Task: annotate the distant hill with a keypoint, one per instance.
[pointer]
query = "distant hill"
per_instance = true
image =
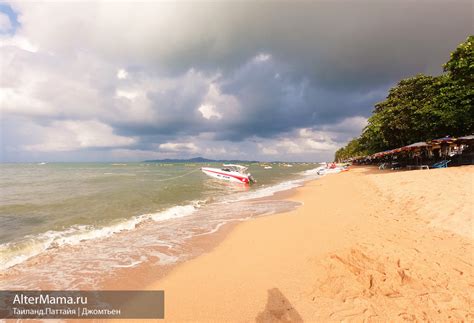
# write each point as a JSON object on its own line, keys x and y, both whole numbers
{"x": 199, "y": 160}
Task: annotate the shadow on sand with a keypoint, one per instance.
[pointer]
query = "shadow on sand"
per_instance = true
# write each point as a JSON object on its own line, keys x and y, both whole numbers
{"x": 278, "y": 309}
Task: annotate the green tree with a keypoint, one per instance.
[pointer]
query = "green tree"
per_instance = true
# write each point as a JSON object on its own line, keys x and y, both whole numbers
{"x": 454, "y": 103}
{"x": 461, "y": 63}
{"x": 404, "y": 116}
{"x": 352, "y": 149}
{"x": 421, "y": 108}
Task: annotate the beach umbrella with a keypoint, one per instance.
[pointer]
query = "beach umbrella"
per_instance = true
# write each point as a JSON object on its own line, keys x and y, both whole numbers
{"x": 444, "y": 140}
{"x": 416, "y": 145}
{"x": 466, "y": 139}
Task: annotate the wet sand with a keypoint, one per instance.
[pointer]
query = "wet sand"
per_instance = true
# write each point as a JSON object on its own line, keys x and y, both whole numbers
{"x": 366, "y": 245}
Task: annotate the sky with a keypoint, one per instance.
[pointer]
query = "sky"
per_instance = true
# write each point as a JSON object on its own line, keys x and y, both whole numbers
{"x": 292, "y": 81}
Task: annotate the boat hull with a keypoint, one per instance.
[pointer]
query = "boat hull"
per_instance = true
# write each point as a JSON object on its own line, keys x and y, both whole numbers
{"x": 226, "y": 176}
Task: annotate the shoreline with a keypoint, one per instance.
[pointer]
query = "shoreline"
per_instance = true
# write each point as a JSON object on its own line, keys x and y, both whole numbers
{"x": 148, "y": 270}
{"x": 363, "y": 255}
{"x": 201, "y": 245}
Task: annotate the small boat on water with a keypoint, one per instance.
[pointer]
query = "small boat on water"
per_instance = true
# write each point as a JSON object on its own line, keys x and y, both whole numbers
{"x": 230, "y": 172}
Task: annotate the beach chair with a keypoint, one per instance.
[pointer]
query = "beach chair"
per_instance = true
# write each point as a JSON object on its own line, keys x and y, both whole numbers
{"x": 441, "y": 164}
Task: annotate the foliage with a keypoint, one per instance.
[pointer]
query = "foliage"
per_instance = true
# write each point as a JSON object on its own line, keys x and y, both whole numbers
{"x": 422, "y": 107}
{"x": 461, "y": 64}
{"x": 352, "y": 149}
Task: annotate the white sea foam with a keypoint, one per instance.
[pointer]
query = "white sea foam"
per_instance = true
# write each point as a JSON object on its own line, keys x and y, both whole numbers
{"x": 269, "y": 190}
{"x": 8, "y": 260}
{"x": 132, "y": 264}
{"x": 13, "y": 253}
{"x": 312, "y": 172}
{"x": 272, "y": 189}
{"x": 166, "y": 259}
{"x": 175, "y": 212}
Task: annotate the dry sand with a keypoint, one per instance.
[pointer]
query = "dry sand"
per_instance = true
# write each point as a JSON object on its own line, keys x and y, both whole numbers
{"x": 366, "y": 245}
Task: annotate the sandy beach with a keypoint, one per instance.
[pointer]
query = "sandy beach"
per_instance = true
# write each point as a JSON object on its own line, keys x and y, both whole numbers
{"x": 366, "y": 245}
{"x": 237, "y": 161}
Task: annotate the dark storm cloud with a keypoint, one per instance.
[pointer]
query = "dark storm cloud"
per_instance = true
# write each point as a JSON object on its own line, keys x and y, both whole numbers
{"x": 234, "y": 71}
{"x": 344, "y": 45}
{"x": 273, "y": 100}
{"x": 334, "y": 60}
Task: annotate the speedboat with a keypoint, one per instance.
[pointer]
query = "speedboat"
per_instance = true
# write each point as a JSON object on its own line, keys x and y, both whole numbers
{"x": 230, "y": 172}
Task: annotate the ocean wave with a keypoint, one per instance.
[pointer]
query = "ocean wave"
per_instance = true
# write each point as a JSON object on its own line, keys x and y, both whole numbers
{"x": 312, "y": 172}
{"x": 175, "y": 212}
{"x": 270, "y": 190}
{"x": 13, "y": 253}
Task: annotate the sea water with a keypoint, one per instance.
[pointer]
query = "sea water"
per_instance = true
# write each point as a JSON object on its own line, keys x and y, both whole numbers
{"x": 80, "y": 220}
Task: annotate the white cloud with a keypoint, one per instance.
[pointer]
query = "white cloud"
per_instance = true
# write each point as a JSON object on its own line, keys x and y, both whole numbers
{"x": 314, "y": 134}
{"x": 303, "y": 146}
{"x": 209, "y": 111}
{"x": 44, "y": 84}
{"x": 129, "y": 94}
{"x": 301, "y": 142}
{"x": 133, "y": 154}
{"x": 351, "y": 124}
{"x": 219, "y": 105}
{"x": 170, "y": 34}
{"x": 5, "y": 23}
{"x": 167, "y": 74}
{"x": 18, "y": 101}
{"x": 84, "y": 87}
{"x": 216, "y": 151}
{"x": 73, "y": 135}
{"x": 268, "y": 150}
{"x": 122, "y": 74}
{"x": 262, "y": 57}
{"x": 178, "y": 147}
{"x": 18, "y": 42}
{"x": 319, "y": 145}
{"x": 289, "y": 146}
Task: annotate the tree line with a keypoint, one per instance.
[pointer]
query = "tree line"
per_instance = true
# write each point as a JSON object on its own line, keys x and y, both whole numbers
{"x": 421, "y": 108}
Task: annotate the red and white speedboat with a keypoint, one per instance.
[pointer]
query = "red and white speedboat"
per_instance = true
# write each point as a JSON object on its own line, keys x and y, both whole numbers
{"x": 230, "y": 172}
